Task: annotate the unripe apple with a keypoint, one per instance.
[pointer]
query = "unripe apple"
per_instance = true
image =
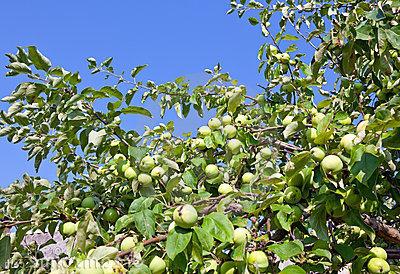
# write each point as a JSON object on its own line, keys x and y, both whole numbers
{"x": 241, "y": 236}
{"x": 378, "y": 265}
{"x": 128, "y": 243}
{"x": 187, "y": 190}
{"x": 234, "y": 146}
{"x": 147, "y": 164}
{"x": 362, "y": 126}
{"x": 297, "y": 180}
{"x": 211, "y": 171}
{"x": 226, "y": 120}
{"x": 292, "y": 195}
{"x": 113, "y": 267}
{"x": 125, "y": 166}
{"x": 166, "y": 136}
{"x": 242, "y": 119}
{"x": 110, "y": 215}
{"x": 130, "y": 173}
{"x": 332, "y": 164}
{"x": 265, "y": 153}
{"x": 214, "y": 123}
{"x": 228, "y": 268}
{"x": 89, "y": 266}
{"x": 230, "y": 131}
{"x": 225, "y": 189}
{"x": 346, "y": 121}
{"x": 287, "y": 120}
{"x": 88, "y": 202}
{"x": 257, "y": 261}
{"x": 145, "y": 179}
{"x": 378, "y": 252}
{"x": 317, "y": 118}
{"x": 352, "y": 199}
{"x": 115, "y": 143}
{"x": 69, "y": 228}
{"x": 247, "y": 177}
{"x": 157, "y": 172}
{"x": 204, "y": 131}
{"x": 347, "y": 142}
{"x": 185, "y": 216}
{"x": 199, "y": 143}
{"x": 157, "y": 265}
{"x": 119, "y": 157}
{"x": 317, "y": 154}
{"x": 311, "y": 134}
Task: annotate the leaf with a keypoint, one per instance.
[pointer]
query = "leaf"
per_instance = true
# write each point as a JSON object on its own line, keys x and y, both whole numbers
{"x": 81, "y": 232}
{"x": 298, "y": 163}
{"x": 136, "y": 110}
{"x": 177, "y": 241}
{"x": 363, "y": 31}
{"x": 318, "y": 222}
{"x": 354, "y": 218}
{"x": 138, "y": 152}
{"x": 190, "y": 179}
{"x": 145, "y": 222}
{"x": 111, "y": 91}
{"x": 206, "y": 240}
{"x": 393, "y": 36}
{"x": 103, "y": 252}
{"x": 170, "y": 163}
{"x": 234, "y": 101}
{"x": 287, "y": 250}
{"x": 289, "y": 37}
{"x": 219, "y": 226}
{"x": 40, "y": 61}
{"x": 124, "y": 222}
{"x": 290, "y": 129}
{"x": 345, "y": 251}
{"x": 363, "y": 168}
{"x": 140, "y": 204}
{"x": 96, "y": 137}
{"x": 19, "y": 67}
{"x": 293, "y": 269}
{"x": 253, "y": 21}
{"x": 5, "y": 250}
{"x": 322, "y": 253}
{"x": 137, "y": 69}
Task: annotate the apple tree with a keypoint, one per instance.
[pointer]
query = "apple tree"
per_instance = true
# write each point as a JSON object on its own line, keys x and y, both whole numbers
{"x": 299, "y": 178}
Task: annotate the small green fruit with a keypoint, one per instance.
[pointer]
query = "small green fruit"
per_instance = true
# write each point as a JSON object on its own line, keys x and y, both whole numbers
{"x": 110, "y": 215}
{"x": 346, "y": 121}
{"x": 317, "y": 154}
{"x": 247, "y": 177}
{"x": 204, "y": 131}
{"x": 362, "y": 126}
{"x": 113, "y": 267}
{"x": 265, "y": 153}
{"x": 225, "y": 189}
{"x": 145, "y": 179}
{"x": 378, "y": 252}
{"x": 214, "y": 123}
{"x": 187, "y": 190}
{"x": 311, "y": 134}
{"x": 185, "y": 216}
{"x": 242, "y": 119}
{"x": 258, "y": 262}
{"x": 147, "y": 164}
{"x": 292, "y": 195}
{"x": 297, "y": 180}
{"x": 226, "y": 120}
{"x": 128, "y": 243}
{"x": 69, "y": 228}
{"x": 287, "y": 120}
{"x": 88, "y": 202}
{"x": 119, "y": 157}
{"x": 211, "y": 171}
{"x": 130, "y": 173}
{"x": 332, "y": 164}
{"x": 241, "y": 235}
{"x": 347, "y": 142}
{"x": 378, "y": 265}
{"x": 157, "y": 172}
{"x": 234, "y": 146}
{"x": 125, "y": 166}
{"x": 157, "y": 265}
{"x": 230, "y": 131}
{"x": 199, "y": 143}
{"x": 317, "y": 118}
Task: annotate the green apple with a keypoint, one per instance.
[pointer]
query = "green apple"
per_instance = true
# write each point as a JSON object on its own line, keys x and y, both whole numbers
{"x": 187, "y": 190}
{"x": 115, "y": 143}
{"x": 119, "y": 157}
{"x": 157, "y": 172}
{"x": 130, "y": 173}
{"x": 297, "y": 180}
{"x": 230, "y": 131}
{"x": 125, "y": 166}
{"x": 247, "y": 177}
{"x": 113, "y": 267}
{"x": 128, "y": 243}
{"x": 257, "y": 262}
{"x": 362, "y": 126}
{"x": 147, "y": 164}
{"x": 214, "y": 123}
{"x": 242, "y": 119}
{"x": 292, "y": 195}
{"x": 204, "y": 131}
{"x": 311, "y": 134}
{"x": 265, "y": 153}
{"x": 228, "y": 268}
{"x": 317, "y": 118}
{"x": 287, "y": 120}
{"x": 69, "y": 228}
{"x": 331, "y": 164}
{"x": 211, "y": 171}
{"x": 317, "y": 154}
{"x": 110, "y": 215}
{"x": 145, "y": 179}
{"x": 378, "y": 252}
{"x": 198, "y": 143}
{"x": 347, "y": 142}
{"x": 225, "y": 189}
{"x": 185, "y": 216}
{"x": 234, "y": 146}
{"x": 226, "y": 120}
{"x": 352, "y": 199}
{"x": 89, "y": 266}
{"x": 241, "y": 235}
{"x": 378, "y": 265}
{"x": 346, "y": 121}
{"x": 157, "y": 265}
{"x": 88, "y": 202}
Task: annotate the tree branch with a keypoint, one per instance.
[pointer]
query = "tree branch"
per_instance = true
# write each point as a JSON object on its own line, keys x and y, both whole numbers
{"x": 386, "y": 232}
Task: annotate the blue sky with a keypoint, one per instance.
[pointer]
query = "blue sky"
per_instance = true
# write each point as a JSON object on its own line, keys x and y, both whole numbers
{"x": 175, "y": 37}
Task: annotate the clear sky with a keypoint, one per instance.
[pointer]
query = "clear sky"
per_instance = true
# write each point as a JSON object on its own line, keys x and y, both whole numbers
{"x": 175, "y": 37}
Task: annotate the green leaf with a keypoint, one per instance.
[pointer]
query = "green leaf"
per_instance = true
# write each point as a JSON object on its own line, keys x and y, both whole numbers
{"x": 354, "y": 218}
{"x": 393, "y": 36}
{"x": 177, "y": 241}
{"x": 137, "y": 69}
{"x": 321, "y": 253}
{"x": 206, "y": 240}
{"x": 293, "y": 269}
{"x": 190, "y": 179}
{"x": 96, "y": 137}
{"x": 287, "y": 250}
{"x": 140, "y": 204}
{"x": 318, "y": 222}
{"x": 299, "y": 161}
{"x": 253, "y": 21}
{"x": 81, "y": 233}
{"x": 103, "y": 253}
{"x": 124, "y": 222}
{"x": 290, "y": 129}
{"x": 138, "y": 152}
{"x": 136, "y": 110}
{"x": 19, "y": 67}
{"x": 219, "y": 226}
{"x": 345, "y": 251}
{"x": 289, "y": 37}
{"x": 5, "y": 250}
{"x": 40, "y": 61}
{"x": 145, "y": 222}
{"x": 235, "y": 101}
{"x": 139, "y": 269}
{"x": 363, "y": 167}
{"x": 112, "y": 91}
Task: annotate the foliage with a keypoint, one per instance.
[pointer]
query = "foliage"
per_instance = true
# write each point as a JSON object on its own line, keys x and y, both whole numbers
{"x": 321, "y": 216}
